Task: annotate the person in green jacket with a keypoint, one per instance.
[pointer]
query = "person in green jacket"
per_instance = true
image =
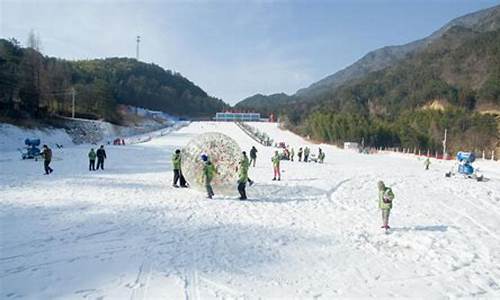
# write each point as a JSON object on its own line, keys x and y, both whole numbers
{"x": 276, "y": 165}
{"x": 176, "y": 162}
{"x": 427, "y": 163}
{"x": 92, "y": 157}
{"x": 306, "y": 154}
{"x": 243, "y": 176}
{"x": 208, "y": 174}
{"x": 385, "y": 198}
{"x": 321, "y": 156}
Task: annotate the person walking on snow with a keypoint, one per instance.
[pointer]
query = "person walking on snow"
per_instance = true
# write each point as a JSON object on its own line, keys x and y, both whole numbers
{"x": 276, "y": 165}
{"x": 299, "y": 154}
{"x": 47, "y": 158}
{"x": 292, "y": 154}
{"x": 243, "y": 176}
{"x": 101, "y": 156}
{"x": 306, "y": 154}
{"x": 321, "y": 156}
{"x": 253, "y": 155}
{"x": 208, "y": 174}
{"x": 427, "y": 163}
{"x": 176, "y": 161}
{"x": 92, "y": 157}
{"x": 385, "y": 198}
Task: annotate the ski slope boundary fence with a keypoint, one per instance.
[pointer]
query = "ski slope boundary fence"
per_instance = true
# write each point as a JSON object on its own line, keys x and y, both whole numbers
{"x": 260, "y": 137}
{"x": 143, "y": 138}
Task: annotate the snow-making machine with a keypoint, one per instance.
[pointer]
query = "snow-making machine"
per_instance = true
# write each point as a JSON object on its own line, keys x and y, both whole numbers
{"x": 464, "y": 166}
{"x": 31, "y": 151}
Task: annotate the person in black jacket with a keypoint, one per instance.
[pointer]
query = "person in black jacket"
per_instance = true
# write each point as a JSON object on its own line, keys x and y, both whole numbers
{"x": 253, "y": 155}
{"x": 47, "y": 158}
{"x": 101, "y": 156}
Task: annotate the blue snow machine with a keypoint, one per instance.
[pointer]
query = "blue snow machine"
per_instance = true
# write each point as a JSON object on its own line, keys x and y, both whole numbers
{"x": 31, "y": 150}
{"x": 464, "y": 166}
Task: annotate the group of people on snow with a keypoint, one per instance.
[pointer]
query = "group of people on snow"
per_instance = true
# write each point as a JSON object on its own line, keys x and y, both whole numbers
{"x": 100, "y": 154}
{"x": 303, "y": 154}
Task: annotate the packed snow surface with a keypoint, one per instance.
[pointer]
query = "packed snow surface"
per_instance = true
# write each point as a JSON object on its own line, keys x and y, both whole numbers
{"x": 126, "y": 233}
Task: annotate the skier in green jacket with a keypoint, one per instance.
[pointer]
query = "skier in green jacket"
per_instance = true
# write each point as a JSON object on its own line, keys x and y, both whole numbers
{"x": 276, "y": 165}
{"x": 385, "y": 197}
{"x": 243, "y": 176}
{"x": 92, "y": 157}
{"x": 208, "y": 174}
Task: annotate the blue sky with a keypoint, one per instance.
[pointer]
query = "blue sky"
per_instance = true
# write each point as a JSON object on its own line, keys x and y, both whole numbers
{"x": 232, "y": 49}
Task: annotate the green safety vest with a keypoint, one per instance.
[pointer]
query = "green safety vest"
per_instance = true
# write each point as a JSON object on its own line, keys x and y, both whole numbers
{"x": 387, "y": 193}
{"x": 176, "y": 161}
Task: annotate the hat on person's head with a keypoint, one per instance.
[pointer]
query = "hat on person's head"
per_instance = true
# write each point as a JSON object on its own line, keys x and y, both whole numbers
{"x": 204, "y": 157}
{"x": 244, "y": 153}
{"x": 381, "y": 185}
{"x": 177, "y": 151}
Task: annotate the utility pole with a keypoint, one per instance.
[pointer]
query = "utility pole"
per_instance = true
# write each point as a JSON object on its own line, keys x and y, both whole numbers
{"x": 137, "y": 48}
{"x": 73, "y": 100}
{"x": 445, "y": 155}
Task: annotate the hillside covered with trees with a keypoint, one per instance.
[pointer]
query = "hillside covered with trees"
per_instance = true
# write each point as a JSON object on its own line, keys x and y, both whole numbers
{"x": 36, "y": 86}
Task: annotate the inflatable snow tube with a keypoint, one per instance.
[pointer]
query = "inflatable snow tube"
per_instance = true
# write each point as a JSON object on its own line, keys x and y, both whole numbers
{"x": 223, "y": 152}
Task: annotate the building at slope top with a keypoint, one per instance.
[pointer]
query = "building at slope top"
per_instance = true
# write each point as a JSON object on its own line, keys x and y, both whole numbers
{"x": 238, "y": 117}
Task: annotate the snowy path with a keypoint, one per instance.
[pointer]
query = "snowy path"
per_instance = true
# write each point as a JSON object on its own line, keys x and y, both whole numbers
{"x": 125, "y": 233}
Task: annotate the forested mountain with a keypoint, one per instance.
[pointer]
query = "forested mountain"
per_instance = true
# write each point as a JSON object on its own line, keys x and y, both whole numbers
{"x": 261, "y": 102}
{"x": 481, "y": 21}
{"x": 456, "y": 70}
{"x": 33, "y": 85}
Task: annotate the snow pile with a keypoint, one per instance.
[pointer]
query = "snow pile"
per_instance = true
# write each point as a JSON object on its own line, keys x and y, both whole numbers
{"x": 92, "y": 131}
{"x": 12, "y": 137}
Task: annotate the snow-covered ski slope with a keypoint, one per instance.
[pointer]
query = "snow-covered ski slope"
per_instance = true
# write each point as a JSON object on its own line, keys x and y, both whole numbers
{"x": 125, "y": 233}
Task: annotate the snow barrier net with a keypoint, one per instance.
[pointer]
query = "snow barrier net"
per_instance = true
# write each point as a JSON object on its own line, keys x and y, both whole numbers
{"x": 222, "y": 151}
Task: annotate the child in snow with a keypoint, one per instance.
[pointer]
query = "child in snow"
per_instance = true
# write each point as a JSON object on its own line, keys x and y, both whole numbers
{"x": 276, "y": 165}
{"x": 208, "y": 174}
{"x": 92, "y": 157}
{"x": 299, "y": 154}
{"x": 427, "y": 163}
{"x": 243, "y": 176}
{"x": 385, "y": 197}
{"x": 321, "y": 156}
